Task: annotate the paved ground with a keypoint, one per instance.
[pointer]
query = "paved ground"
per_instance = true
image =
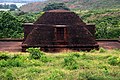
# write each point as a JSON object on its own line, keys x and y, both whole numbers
{"x": 109, "y": 44}
{"x": 10, "y": 46}
{"x": 16, "y": 46}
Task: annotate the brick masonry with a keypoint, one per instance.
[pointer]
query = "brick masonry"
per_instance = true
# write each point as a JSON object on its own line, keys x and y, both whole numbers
{"x": 59, "y": 29}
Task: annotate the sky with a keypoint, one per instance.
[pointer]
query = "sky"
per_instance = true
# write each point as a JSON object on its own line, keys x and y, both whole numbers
{"x": 30, "y": 0}
{"x": 18, "y": 4}
{"x": 21, "y": 0}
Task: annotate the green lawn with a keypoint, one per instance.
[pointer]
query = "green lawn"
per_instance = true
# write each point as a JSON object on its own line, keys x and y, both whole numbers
{"x": 93, "y": 65}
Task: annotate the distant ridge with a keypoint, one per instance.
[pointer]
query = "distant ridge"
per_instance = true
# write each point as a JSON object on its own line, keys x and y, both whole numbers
{"x": 74, "y": 4}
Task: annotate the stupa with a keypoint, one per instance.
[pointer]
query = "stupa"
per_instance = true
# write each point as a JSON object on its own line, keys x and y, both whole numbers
{"x": 56, "y": 30}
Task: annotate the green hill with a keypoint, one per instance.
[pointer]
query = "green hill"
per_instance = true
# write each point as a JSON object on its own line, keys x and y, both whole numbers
{"x": 74, "y": 4}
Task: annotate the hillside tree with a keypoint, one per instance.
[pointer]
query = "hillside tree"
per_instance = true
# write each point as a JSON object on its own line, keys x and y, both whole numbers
{"x": 55, "y": 6}
{"x": 10, "y": 26}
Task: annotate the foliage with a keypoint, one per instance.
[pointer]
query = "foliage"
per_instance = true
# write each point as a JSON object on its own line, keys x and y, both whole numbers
{"x": 107, "y": 22}
{"x": 75, "y": 5}
{"x": 45, "y": 58}
{"x": 55, "y": 6}
{"x": 27, "y": 17}
{"x": 13, "y": 61}
{"x": 102, "y": 50}
{"x": 62, "y": 66}
{"x": 4, "y": 56}
{"x": 70, "y": 62}
{"x": 9, "y": 75}
{"x": 10, "y": 27}
{"x": 35, "y": 53}
{"x": 117, "y": 51}
{"x": 114, "y": 60}
{"x": 108, "y": 27}
{"x": 56, "y": 75}
{"x": 93, "y": 50}
{"x": 11, "y": 6}
{"x": 11, "y": 23}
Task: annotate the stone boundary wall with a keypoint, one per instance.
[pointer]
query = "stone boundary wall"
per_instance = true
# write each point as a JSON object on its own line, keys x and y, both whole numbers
{"x": 21, "y": 39}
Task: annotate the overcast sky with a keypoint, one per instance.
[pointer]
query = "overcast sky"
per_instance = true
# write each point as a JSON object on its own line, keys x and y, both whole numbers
{"x": 21, "y": 0}
{"x": 33, "y": 0}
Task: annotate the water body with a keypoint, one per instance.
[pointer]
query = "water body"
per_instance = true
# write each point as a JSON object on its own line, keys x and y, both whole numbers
{"x": 17, "y": 4}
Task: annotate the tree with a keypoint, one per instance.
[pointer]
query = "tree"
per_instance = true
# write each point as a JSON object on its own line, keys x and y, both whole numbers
{"x": 55, "y": 6}
{"x": 6, "y": 6}
{"x": 13, "y": 7}
{"x": 1, "y": 6}
{"x": 10, "y": 27}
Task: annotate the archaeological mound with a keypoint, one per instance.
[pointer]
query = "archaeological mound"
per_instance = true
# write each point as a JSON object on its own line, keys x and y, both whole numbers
{"x": 57, "y": 30}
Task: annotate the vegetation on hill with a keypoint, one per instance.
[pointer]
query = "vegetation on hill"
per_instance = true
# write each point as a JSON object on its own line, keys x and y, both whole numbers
{"x": 11, "y": 23}
{"x": 27, "y": 17}
{"x": 94, "y": 65}
{"x": 11, "y": 6}
{"x": 55, "y": 6}
{"x": 107, "y": 22}
{"x": 74, "y": 5}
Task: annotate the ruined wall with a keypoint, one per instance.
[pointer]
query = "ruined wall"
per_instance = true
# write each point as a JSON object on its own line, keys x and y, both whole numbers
{"x": 40, "y": 35}
{"x": 27, "y": 29}
{"x": 91, "y": 28}
{"x": 80, "y": 35}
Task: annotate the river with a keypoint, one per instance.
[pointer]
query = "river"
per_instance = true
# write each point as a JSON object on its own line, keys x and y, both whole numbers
{"x": 17, "y": 4}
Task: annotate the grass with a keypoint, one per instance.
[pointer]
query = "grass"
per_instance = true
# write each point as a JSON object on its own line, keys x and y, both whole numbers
{"x": 93, "y": 65}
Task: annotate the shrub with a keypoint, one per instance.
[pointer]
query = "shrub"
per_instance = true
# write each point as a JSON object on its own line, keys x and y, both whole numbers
{"x": 34, "y": 62}
{"x": 35, "y": 53}
{"x": 44, "y": 58}
{"x": 70, "y": 62}
{"x": 15, "y": 62}
{"x": 116, "y": 51}
{"x": 93, "y": 50}
{"x": 4, "y": 56}
{"x": 93, "y": 75}
{"x": 16, "y": 56}
{"x": 75, "y": 55}
{"x": 11, "y": 62}
{"x": 56, "y": 75}
{"x": 102, "y": 50}
{"x": 3, "y": 63}
{"x": 87, "y": 57}
{"x": 9, "y": 75}
{"x": 34, "y": 70}
{"x": 114, "y": 60}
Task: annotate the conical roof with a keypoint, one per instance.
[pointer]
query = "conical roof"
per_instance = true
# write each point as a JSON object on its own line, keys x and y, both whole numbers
{"x": 60, "y": 17}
